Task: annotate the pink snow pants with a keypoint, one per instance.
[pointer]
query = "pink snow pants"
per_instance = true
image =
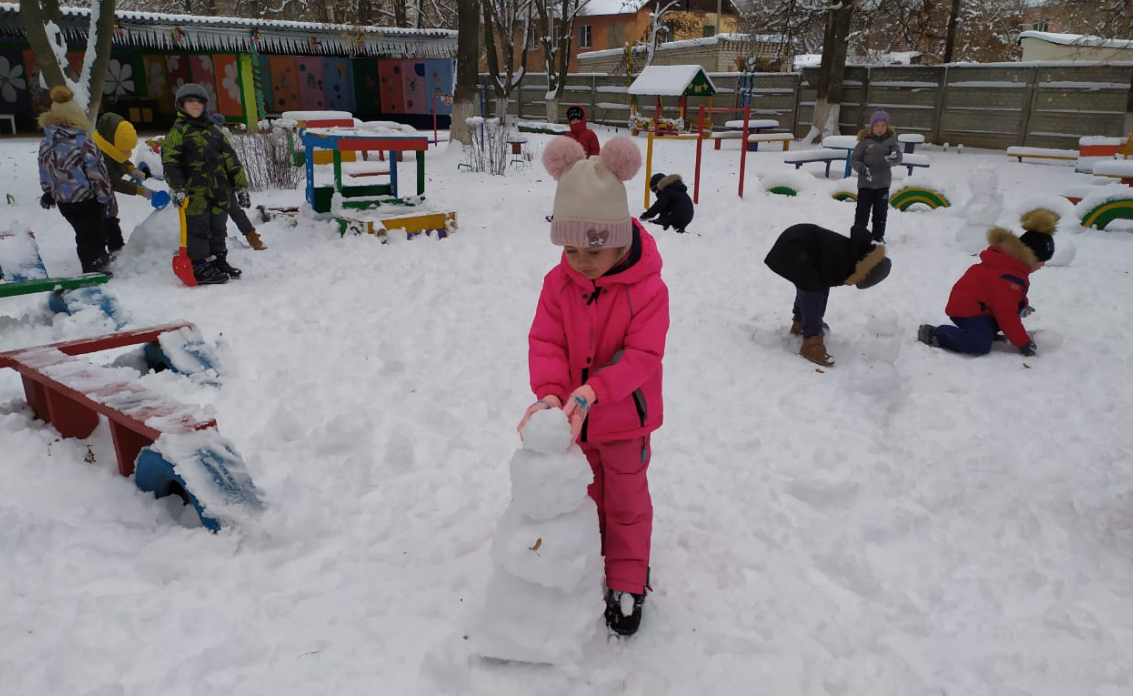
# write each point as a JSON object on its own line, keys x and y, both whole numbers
{"x": 625, "y": 510}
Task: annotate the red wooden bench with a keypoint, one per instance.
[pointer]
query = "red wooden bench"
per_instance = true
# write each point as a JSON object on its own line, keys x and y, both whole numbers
{"x": 70, "y": 393}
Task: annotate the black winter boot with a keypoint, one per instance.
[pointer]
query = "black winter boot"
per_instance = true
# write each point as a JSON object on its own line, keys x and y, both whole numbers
{"x": 222, "y": 264}
{"x": 617, "y": 604}
{"x": 207, "y": 273}
{"x": 926, "y": 334}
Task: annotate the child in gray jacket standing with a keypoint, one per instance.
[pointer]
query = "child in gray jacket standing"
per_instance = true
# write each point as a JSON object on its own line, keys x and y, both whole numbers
{"x": 875, "y": 154}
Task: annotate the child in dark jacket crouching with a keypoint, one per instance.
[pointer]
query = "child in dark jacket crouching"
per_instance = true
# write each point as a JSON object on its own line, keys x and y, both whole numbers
{"x": 673, "y": 207}
{"x": 816, "y": 259}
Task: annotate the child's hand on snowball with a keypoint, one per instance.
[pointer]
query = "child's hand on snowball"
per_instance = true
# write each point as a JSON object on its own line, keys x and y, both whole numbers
{"x": 549, "y": 401}
{"x": 577, "y": 407}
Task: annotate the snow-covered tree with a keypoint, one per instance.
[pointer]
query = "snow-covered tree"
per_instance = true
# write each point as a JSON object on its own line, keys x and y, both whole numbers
{"x": 799, "y": 22}
{"x": 512, "y": 24}
{"x": 556, "y": 37}
{"x": 828, "y": 100}
{"x": 43, "y": 22}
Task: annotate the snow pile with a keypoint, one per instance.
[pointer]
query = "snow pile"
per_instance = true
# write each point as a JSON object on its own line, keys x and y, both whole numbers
{"x": 19, "y": 254}
{"x": 544, "y": 600}
{"x": 152, "y": 245}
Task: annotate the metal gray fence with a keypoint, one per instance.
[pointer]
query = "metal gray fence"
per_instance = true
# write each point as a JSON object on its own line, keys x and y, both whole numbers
{"x": 992, "y": 106}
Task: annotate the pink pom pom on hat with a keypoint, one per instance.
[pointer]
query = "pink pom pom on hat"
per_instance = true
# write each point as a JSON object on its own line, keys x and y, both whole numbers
{"x": 591, "y": 206}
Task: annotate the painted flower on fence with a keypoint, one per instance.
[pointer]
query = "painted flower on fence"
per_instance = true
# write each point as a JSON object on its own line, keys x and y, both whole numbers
{"x": 11, "y": 79}
{"x": 231, "y": 81}
{"x": 155, "y": 75}
{"x": 119, "y": 78}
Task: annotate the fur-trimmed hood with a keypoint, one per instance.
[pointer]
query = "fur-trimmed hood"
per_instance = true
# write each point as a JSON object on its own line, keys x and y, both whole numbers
{"x": 63, "y": 119}
{"x": 670, "y": 179}
{"x": 866, "y": 132}
{"x": 866, "y": 264}
{"x": 1013, "y": 246}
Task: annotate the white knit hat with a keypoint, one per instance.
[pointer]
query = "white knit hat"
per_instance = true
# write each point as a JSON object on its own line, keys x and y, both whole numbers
{"x": 591, "y": 206}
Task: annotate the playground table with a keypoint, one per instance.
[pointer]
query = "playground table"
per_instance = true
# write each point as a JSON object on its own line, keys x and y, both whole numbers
{"x": 842, "y": 142}
{"x": 341, "y": 140}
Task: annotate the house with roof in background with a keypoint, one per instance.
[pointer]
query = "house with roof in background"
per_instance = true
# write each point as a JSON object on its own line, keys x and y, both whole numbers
{"x": 1043, "y": 45}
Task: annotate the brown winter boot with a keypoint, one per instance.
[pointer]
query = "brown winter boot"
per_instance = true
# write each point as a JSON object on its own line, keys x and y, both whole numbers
{"x": 254, "y": 239}
{"x": 796, "y": 326}
{"x": 814, "y": 350}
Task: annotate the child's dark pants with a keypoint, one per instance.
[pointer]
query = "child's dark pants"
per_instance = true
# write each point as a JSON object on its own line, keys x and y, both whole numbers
{"x": 86, "y": 218}
{"x": 206, "y": 232}
{"x": 972, "y": 335}
{"x": 877, "y": 202}
{"x": 239, "y": 216}
{"x": 810, "y": 306}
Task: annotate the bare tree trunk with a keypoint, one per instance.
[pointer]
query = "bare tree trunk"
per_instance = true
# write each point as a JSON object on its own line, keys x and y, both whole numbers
{"x": 552, "y": 110}
{"x": 37, "y": 13}
{"x": 35, "y": 17}
{"x": 399, "y": 18}
{"x": 105, "y": 37}
{"x": 467, "y": 55}
{"x": 950, "y": 41}
{"x": 828, "y": 101}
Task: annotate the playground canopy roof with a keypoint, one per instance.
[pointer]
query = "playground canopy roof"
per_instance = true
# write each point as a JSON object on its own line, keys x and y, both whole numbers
{"x": 673, "y": 81}
{"x": 181, "y": 33}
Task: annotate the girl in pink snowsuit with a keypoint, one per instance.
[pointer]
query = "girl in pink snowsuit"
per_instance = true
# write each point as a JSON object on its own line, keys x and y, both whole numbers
{"x": 595, "y": 350}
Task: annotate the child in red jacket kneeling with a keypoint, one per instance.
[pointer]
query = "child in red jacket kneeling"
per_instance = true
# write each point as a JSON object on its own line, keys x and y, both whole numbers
{"x": 991, "y": 296}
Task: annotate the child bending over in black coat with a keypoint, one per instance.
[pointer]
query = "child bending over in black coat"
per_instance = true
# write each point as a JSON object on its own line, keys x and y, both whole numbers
{"x": 673, "y": 206}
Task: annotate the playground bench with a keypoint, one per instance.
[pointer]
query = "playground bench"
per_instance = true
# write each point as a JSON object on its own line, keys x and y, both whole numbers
{"x": 735, "y": 130}
{"x": 910, "y": 141}
{"x": 71, "y": 393}
{"x": 29, "y": 287}
{"x": 1020, "y": 153}
{"x": 756, "y": 138}
{"x": 911, "y": 160}
{"x": 801, "y": 157}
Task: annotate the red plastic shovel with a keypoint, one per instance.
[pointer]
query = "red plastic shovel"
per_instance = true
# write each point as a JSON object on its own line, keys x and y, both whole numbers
{"x": 182, "y": 265}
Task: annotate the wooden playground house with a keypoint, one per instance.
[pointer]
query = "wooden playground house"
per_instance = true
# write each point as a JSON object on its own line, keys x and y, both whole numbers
{"x": 668, "y": 81}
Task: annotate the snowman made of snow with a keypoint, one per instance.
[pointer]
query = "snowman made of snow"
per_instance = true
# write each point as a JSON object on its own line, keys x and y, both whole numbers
{"x": 544, "y": 599}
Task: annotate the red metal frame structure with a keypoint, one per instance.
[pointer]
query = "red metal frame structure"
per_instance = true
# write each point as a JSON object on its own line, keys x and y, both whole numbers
{"x": 746, "y": 110}
{"x": 75, "y": 414}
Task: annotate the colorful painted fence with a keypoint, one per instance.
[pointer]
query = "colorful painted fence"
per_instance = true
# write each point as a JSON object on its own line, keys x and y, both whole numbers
{"x": 368, "y": 87}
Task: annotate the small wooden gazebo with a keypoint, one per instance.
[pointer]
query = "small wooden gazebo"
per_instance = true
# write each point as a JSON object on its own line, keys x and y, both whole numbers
{"x": 660, "y": 81}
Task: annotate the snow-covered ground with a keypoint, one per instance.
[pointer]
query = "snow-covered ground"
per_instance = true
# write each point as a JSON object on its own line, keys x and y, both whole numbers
{"x": 933, "y": 525}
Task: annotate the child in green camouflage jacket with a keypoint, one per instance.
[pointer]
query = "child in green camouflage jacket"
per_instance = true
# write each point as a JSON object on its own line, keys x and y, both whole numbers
{"x": 201, "y": 165}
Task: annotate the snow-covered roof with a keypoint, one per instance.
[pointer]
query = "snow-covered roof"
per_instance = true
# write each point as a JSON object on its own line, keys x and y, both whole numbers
{"x": 689, "y": 43}
{"x": 1076, "y": 39}
{"x": 596, "y": 8}
{"x": 168, "y": 31}
{"x": 668, "y": 80}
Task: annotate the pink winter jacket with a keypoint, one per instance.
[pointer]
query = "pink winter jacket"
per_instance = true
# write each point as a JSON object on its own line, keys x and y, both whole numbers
{"x": 608, "y": 333}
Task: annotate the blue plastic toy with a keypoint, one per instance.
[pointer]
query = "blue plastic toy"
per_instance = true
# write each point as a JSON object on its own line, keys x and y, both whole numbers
{"x": 159, "y": 199}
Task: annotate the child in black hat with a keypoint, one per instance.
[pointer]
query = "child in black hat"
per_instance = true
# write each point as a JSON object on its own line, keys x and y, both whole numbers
{"x": 673, "y": 206}
{"x": 991, "y": 296}
{"x": 816, "y": 259}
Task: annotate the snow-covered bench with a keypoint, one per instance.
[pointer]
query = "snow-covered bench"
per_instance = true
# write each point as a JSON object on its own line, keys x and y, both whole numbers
{"x": 734, "y": 130}
{"x": 70, "y": 393}
{"x": 756, "y": 138}
{"x": 542, "y": 127}
{"x": 910, "y": 141}
{"x": 911, "y": 160}
{"x": 822, "y": 154}
{"x": 1019, "y": 153}
{"x": 1115, "y": 169}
